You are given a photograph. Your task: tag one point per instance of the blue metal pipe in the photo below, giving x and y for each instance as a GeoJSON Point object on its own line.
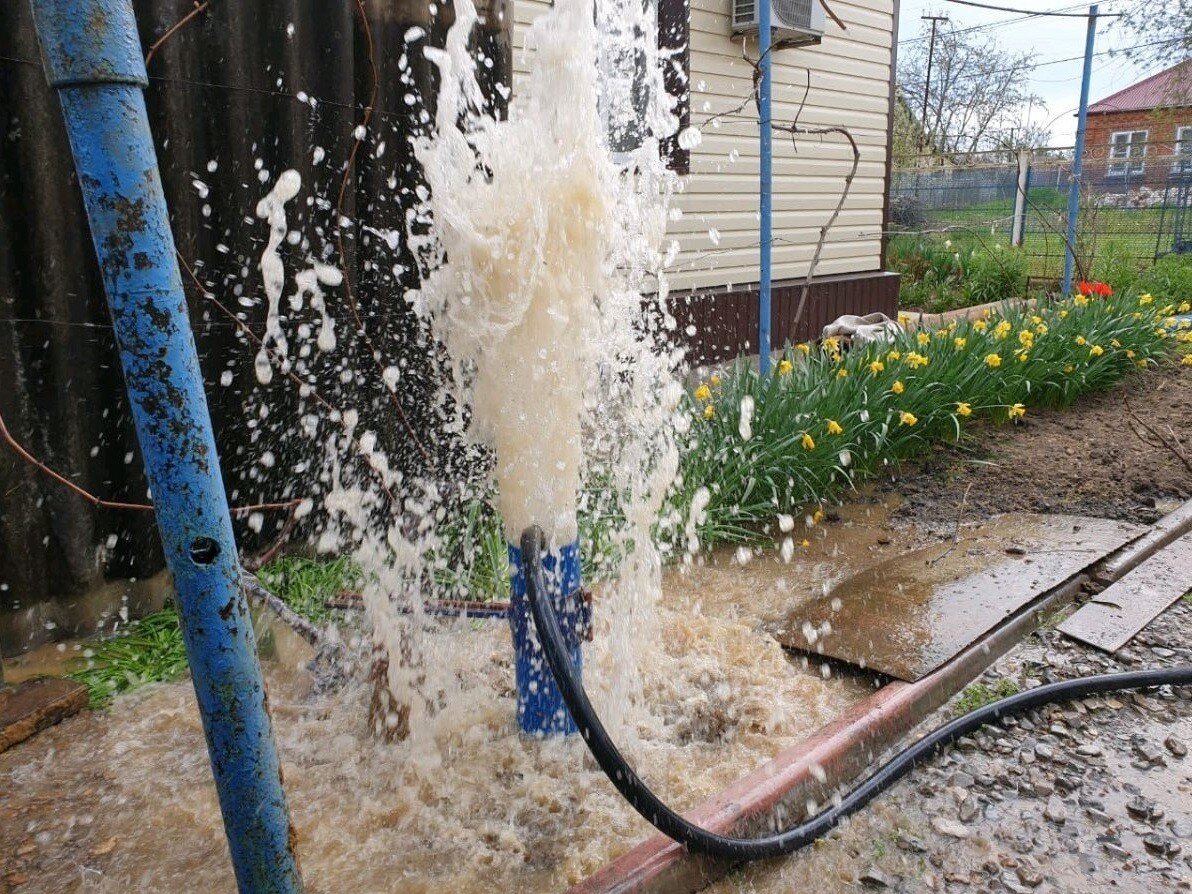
{"type": "Point", "coordinates": [1078, 151]}
{"type": "Point", "coordinates": [766, 186]}
{"type": "Point", "coordinates": [541, 710]}
{"type": "Point", "coordinates": [93, 58]}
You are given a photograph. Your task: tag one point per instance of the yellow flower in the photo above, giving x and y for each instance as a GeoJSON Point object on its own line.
{"type": "Point", "coordinates": [1096, 351]}
{"type": "Point", "coordinates": [1186, 360]}
{"type": "Point", "coordinates": [1036, 319]}
{"type": "Point", "coordinates": [980, 326]}
{"type": "Point", "coordinates": [834, 427]}
{"type": "Point", "coordinates": [1016, 412]}
{"type": "Point", "coordinates": [1079, 300]}
{"type": "Point", "coordinates": [1146, 299]}
{"type": "Point", "coordinates": [904, 319]}
{"type": "Point", "coordinates": [806, 543]}
{"type": "Point", "coordinates": [831, 344]}
{"type": "Point", "coordinates": [1068, 369]}
{"type": "Point", "coordinates": [1129, 355]}
{"type": "Point", "coordinates": [1022, 355]}
{"type": "Point", "coordinates": [907, 418]}
{"type": "Point", "coordinates": [1161, 332]}
{"type": "Point", "coordinates": [817, 517]}
{"type": "Point", "coordinates": [993, 360]}
{"type": "Point", "coordinates": [842, 373]}
{"type": "Point", "coordinates": [1184, 337]}
{"type": "Point", "coordinates": [989, 311]}
{"type": "Point", "coordinates": [709, 411]}
{"type": "Point", "coordinates": [1185, 306]}
{"type": "Point", "coordinates": [894, 355]}
{"type": "Point", "coordinates": [876, 367]}
{"type": "Point", "coordinates": [914, 361]}
{"type": "Point", "coordinates": [963, 409]}
{"type": "Point", "coordinates": [715, 380]}
{"type": "Point", "coordinates": [946, 331]}
{"type": "Point", "coordinates": [1002, 329]}
{"type": "Point", "coordinates": [1080, 341]}
{"type": "Point", "coordinates": [1136, 316]}
{"type": "Point", "coordinates": [1026, 338]}
{"type": "Point", "coordinates": [1063, 314]}
{"type": "Point", "coordinates": [1042, 329]}
{"type": "Point", "coordinates": [785, 367]}
{"type": "Point", "coordinates": [1142, 364]}
{"type": "Point", "coordinates": [703, 392]}
{"type": "Point", "coordinates": [898, 387]}
{"type": "Point", "coordinates": [805, 348]}
{"type": "Point", "coordinates": [923, 338]}
{"type": "Point", "coordinates": [960, 342]}
{"type": "Point", "coordinates": [808, 442]}
{"type": "Point", "coordinates": [1115, 343]}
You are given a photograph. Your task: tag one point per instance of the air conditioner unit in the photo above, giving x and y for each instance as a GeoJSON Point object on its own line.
{"type": "Point", "coordinates": [793, 22]}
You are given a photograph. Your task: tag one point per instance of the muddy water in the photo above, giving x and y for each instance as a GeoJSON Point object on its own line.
{"type": "Point", "coordinates": [123, 801]}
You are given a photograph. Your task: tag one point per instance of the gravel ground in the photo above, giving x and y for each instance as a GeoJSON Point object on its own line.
{"type": "Point", "coordinates": [1088, 796]}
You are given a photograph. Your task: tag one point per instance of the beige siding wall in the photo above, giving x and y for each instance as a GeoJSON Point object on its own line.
{"type": "Point", "coordinates": [850, 78]}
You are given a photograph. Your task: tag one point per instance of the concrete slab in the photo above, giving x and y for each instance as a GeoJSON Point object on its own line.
{"type": "Point", "coordinates": [1116, 615]}
{"type": "Point", "coordinates": [28, 708]}
{"type": "Point", "coordinates": [911, 614]}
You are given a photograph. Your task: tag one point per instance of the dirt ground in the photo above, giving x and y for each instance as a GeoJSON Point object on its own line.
{"type": "Point", "coordinates": [1090, 459]}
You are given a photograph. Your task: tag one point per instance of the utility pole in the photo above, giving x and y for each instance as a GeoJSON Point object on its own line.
{"type": "Point", "coordinates": [1078, 151]}
{"type": "Point", "coordinates": [935, 20]}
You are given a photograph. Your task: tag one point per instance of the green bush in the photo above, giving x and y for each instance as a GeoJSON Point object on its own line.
{"type": "Point", "coordinates": [995, 275]}
{"type": "Point", "coordinates": [1170, 277]}
{"type": "Point", "coordinates": [941, 274]}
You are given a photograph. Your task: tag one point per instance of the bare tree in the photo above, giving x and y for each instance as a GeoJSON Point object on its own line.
{"type": "Point", "coordinates": [1162, 32]}
{"type": "Point", "coordinates": [978, 92]}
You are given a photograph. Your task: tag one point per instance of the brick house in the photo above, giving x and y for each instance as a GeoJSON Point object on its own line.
{"type": "Point", "coordinates": [1142, 136]}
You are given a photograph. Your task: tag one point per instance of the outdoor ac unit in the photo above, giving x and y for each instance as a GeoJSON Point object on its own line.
{"type": "Point", "coordinates": [793, 22]}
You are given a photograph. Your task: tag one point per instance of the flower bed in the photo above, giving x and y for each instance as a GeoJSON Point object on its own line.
{"type": "Point", "coordinates": [824, 419]}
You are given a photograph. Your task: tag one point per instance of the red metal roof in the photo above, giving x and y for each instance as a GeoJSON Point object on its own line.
{"type": "Point", "coordinates": [1170, 87]}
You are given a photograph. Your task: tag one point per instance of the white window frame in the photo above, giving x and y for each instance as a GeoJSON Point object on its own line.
{"type": "Point", "coordinates": [1131, 163]}
{"type": "Point", "coordinates": [1182, 151]}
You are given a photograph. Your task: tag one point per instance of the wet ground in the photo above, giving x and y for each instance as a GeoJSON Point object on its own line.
{"type": "Point", "coordinates": [1082, 797]}
{"type": "Point", "coordinates": [1092, 459]}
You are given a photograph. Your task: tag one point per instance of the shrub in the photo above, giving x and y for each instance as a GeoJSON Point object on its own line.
{"type": "Point", "coordinates": [995, 275]}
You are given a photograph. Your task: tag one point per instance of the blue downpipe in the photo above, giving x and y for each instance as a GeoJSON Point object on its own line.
{"type": "Point", "coordinates": [93, 58]}
{"type": "Point", "coordinates": [1078, 151]}
{"type": "Point", "coordinates": [541, 710]}
{"type": "Point", "coordinates": [766, 197]}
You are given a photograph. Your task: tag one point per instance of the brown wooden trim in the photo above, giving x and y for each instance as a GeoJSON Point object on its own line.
{"type": "Point", "coordinates": [890, 133]}
{"type": "Point", "coordinates": [721, 323]}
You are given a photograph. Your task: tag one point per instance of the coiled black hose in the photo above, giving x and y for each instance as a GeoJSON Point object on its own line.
{"type": "Point", "coordinates": [670, 823]}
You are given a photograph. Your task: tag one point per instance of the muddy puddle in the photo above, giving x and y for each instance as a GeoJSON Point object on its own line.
{"type": "Point", "coordinates": [123, 800]}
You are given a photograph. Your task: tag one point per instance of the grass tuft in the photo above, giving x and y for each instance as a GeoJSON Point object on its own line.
{"type": "Point", "coordinates": [978, 695]}
{"type": "Point", "coordinates": [147, 651]}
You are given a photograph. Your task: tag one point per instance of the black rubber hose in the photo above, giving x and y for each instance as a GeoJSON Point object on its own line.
{"type": "Point", "coordinates": [670, 823]}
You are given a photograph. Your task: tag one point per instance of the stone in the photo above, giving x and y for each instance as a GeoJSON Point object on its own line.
{"type": "Point", "coordinates": [949, 827]}
{"type": "Point", "coordinates": [1161, 845]}
{"type": "Point", "coordinates": [960, 779]}
{"type": "Point", "coordinates": [1044, 752]}
{"type": "Point", "coordinates": [1089, 750]}
{"type": "Point", "coordinates": [874, 878]}
{"type": "Point", "coordinates": [1149, 752]}
{"type": "Point", "coordinates": [1055, 810]}
{"type": "Point", "coordinates": [969, 810]}
{"type": "Point", "coordinates": [1175, 746]}
{"type": "Point", "coordinates": [1115, 850]}
{"type": "Point", "coordinates": [1144, 808]}
{"type": "Point", "coordinates": [29, 707]}
{"type": "Point", "coordinates": [1030, 875]}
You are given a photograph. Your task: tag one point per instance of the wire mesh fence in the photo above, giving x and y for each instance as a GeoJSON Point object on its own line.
{"type": "Point", "coordinates": [1133, 204]}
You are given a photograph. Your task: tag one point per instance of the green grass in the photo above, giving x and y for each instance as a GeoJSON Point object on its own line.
{"type": "Point", "coordinates": [887, 406]}
{"type": "Point", "coordinates": [305, 585]}
{"type": "Point", "coordinates": [978, 695]}
{"type": "Point", "coordinates": [148, 651]}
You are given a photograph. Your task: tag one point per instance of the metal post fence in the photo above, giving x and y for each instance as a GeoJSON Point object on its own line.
{"type": "Point", "coordinates": [93, 58]}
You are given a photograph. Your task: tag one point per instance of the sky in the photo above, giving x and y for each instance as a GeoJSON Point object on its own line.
{"type": "Point", "coordinates": [1048, 39]}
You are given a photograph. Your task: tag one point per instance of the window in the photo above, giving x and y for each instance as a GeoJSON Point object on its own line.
{"type": "Point", "coordinates": [1130, 147]}
{"type": "Point", "coordinates": [626, 81]}
{"type": "Point", "coordinates": [1182, 162]}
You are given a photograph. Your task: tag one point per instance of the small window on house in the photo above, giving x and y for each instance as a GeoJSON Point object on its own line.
{"type": "Point", "coordinates": [1127, 149]}
{"type": "Point", "coordinates": [1182, 161]}
{"type": "Point", "coordinates": [625, 77]}
{"type": "Point", "coordinates": [625, 80]}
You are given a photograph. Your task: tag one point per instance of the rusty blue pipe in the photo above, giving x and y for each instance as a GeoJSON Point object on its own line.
{"type": "Point", "coordinates": [92, 57]}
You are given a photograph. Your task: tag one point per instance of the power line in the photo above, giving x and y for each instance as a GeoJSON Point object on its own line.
{"type": "Point", "coordinates": [1057, 13]}
{"type": "Point", "coordinates": [997, 24]}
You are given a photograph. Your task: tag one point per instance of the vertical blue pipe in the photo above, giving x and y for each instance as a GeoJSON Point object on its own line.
{"type": "Point", "coordinates": [92, 57]}
{"type": "Point", "coordinates": [541, 710]}
{"type": "Point", "coordinates": [766, 153]}
{"type": "Point", "coordinates": [1078, 151]}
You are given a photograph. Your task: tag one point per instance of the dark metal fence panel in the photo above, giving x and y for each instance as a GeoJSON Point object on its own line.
{"type": "Point", "coordinates": [1132, 208]}
{"type": "Point", "coordinates": [239, 94]}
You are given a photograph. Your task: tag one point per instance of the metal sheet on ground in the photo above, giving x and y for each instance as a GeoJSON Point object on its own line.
{"type": "Point", "coordinates": [911, 614]}
{"type": "Point", "coordinates": [1115, 615]}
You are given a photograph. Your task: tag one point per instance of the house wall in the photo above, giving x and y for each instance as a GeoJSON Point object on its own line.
{"type": "Point", "coordinates": [850, 85]}
{"type": "Point", "coordinates": [1162, 125]}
